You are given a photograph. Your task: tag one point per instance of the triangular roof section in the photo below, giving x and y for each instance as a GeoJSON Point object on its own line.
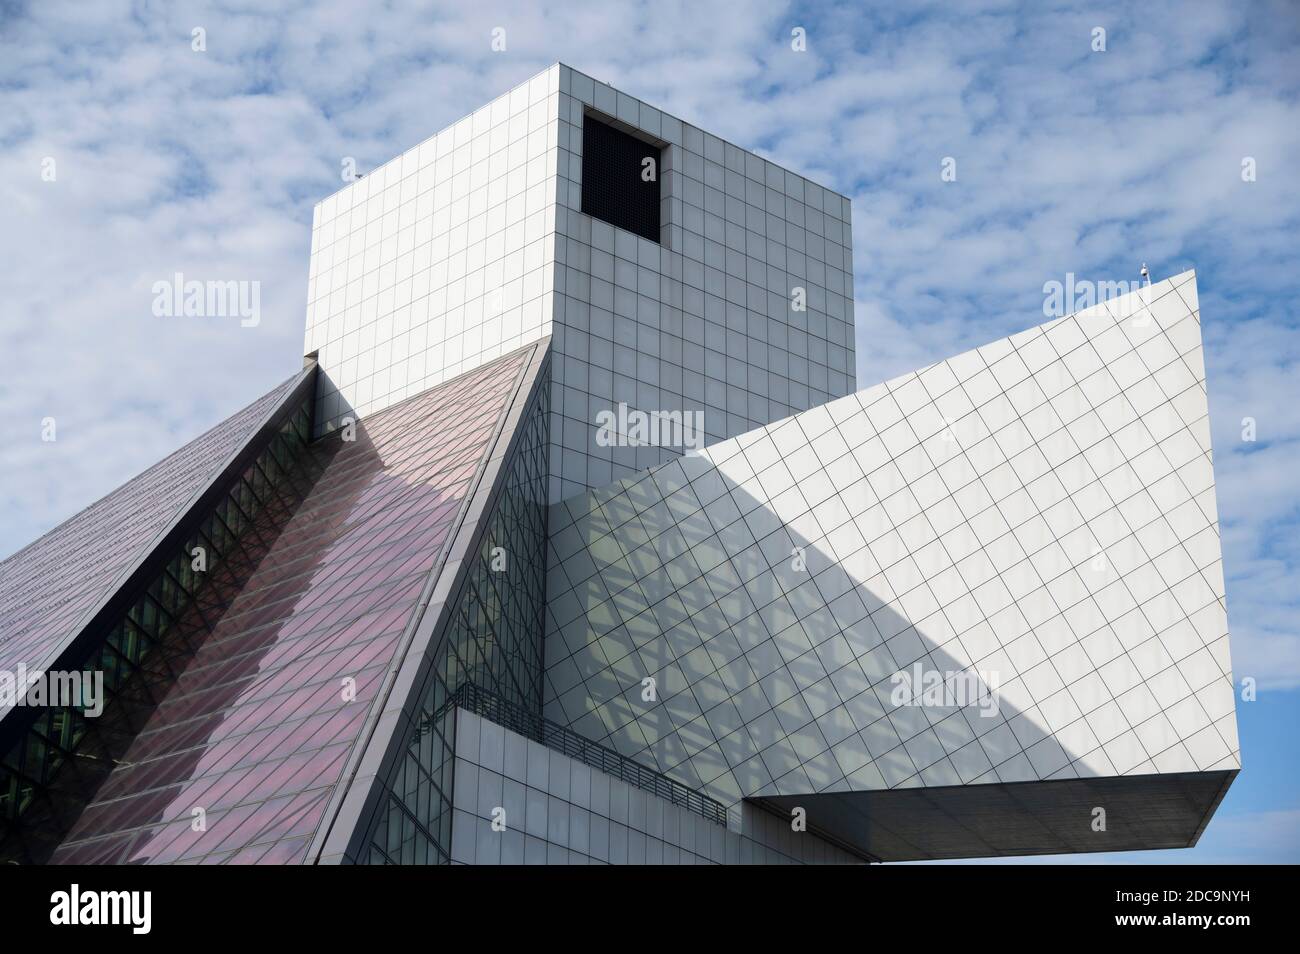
{"type": "Point", "coordinates": [270, 711]}
{"type": "Point", "coordinates": [483, 629]}
{"type": "Point", "coordinates": [50, 588]}
{"type": "Point", "coordinates": [1039, 511]}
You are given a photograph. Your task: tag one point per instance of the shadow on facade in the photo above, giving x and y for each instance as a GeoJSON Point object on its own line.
{"type": "Point", "coordinates": [774, 684]}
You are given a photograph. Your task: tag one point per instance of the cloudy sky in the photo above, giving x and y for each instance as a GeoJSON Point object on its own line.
{"type": "Point", "coordinates": [166, 159]}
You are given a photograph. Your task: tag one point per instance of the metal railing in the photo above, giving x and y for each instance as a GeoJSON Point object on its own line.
{"type": "Point", "coordinates": [530, 725]}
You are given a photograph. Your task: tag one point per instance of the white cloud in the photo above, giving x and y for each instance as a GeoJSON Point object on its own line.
{"type": "Point", "coordinates": [208, 163]}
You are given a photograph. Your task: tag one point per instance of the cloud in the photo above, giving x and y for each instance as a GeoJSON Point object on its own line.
{"type": "Point", "coordinates": [208, 163]}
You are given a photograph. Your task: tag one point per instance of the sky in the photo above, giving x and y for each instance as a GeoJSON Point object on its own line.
{"type": "Point", "coordinates": [127, 156]}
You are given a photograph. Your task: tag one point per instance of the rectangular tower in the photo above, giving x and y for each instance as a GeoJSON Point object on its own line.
{"type": "Point", "coordinates": [708, 281]}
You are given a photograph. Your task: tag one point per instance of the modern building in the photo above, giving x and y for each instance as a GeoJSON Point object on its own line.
{"type": "Point", "coordinates": [574, 541]}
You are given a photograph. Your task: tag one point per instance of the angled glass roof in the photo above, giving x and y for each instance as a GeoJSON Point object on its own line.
{"type": "Point", "coordinates": [242, 754]}
{"type": "Point", "coordinates": [48, 588]}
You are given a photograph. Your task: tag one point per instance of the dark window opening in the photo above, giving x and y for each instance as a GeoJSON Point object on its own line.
{"type": "Point", "coordinates": [618, 185]}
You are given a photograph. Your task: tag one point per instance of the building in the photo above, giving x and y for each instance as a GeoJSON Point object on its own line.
{"type": "Point", "coordinates": [574, 541]}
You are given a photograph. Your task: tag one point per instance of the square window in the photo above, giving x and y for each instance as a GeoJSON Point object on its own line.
{"type": "Point", "coordinates": [620, 178]}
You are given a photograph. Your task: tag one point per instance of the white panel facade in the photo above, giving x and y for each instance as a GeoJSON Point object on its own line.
{"type": "Point", "coordinates": [473, 243]}
{"type": "Point", "coordinates": [555, 810]}
{"type": "Point", "coordinates": [701, 321]}
{"type": "Point", "coordinates": [1039, 511]}
{"type": "Point", "coordinates": [438, 261]}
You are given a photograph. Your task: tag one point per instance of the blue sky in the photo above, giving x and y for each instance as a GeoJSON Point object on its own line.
{"type": "Point", "coordinates": [1068, 160]}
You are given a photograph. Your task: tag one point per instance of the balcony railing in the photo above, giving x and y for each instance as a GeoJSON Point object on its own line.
{"type": "Point", "coordinates": [567, 742]}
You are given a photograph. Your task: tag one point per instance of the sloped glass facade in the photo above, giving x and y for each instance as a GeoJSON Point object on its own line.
{"type": "Point", "coordinates": [50, 771]}
{"type": "Point", "coordinates": [250, 734]}
{"type": "Point", "coordinates": [48, 587]}
{"type": "Point", "coordinates": [493, 640]}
